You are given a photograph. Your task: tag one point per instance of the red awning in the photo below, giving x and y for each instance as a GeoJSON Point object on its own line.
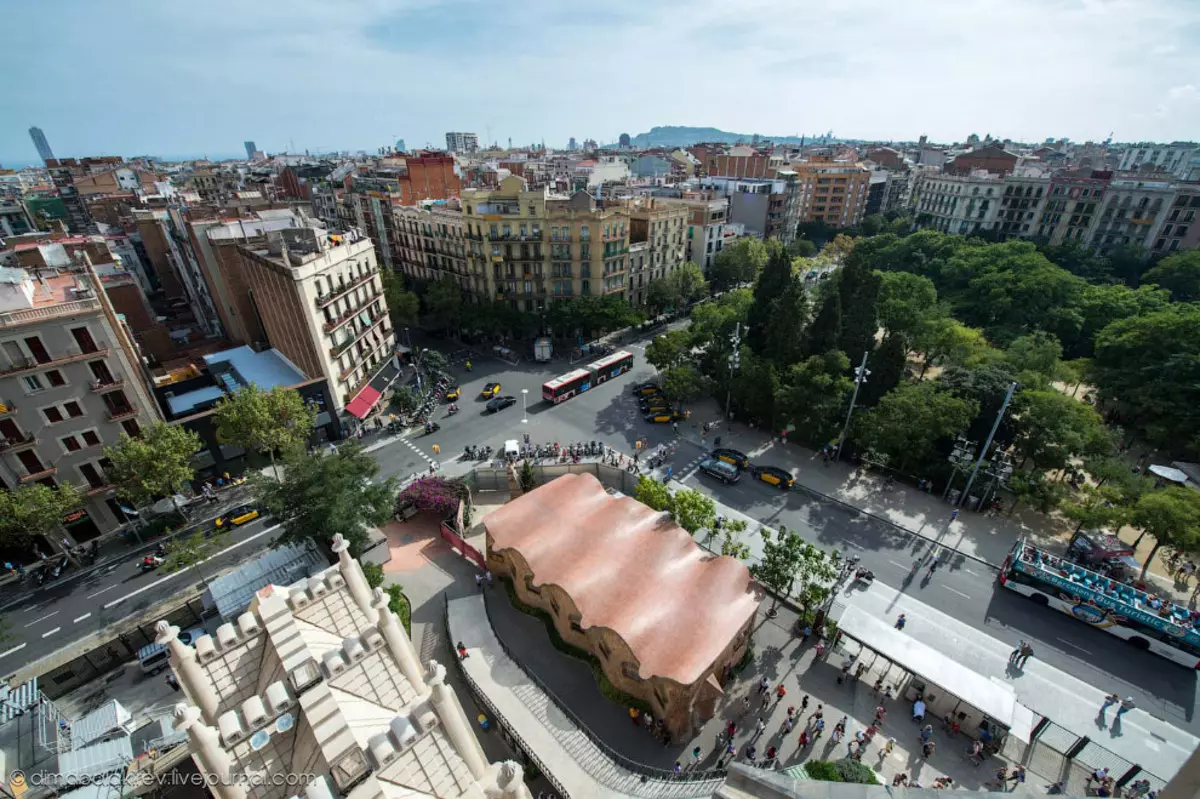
{"type": "Point", "coordinates": [361, 405]}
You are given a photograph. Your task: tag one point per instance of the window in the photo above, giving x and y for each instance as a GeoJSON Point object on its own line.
{"type": "Point", "coordinates": [90, 438]}
{"type": "Point", "coordinates": [32, 384]}
{"type": "Point", "coordinates": [70, 444]}
{"type": "Point", "coordinates": [73, 409]}
{"type": "Point", "coordinates": [630, 671]}
{"type": "Point", "coordinates": [53, 415]}
{"type": "Point", "coordinates": [554, 606]}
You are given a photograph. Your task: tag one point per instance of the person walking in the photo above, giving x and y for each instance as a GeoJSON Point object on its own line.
{"type": "Point", "coordinates": [1127, 704]}
{"type": "Point", "coordinates": [900, 622]}
{"type": "Point", "coordinates": [1016, 653]}
{"type": "Point", "coordinates": [1026, 653]}
{"type": "Point", "coordinates": [1109, 701]}
{"type": "Point", "coordinates": [928, 749]}
{"type": "Point", "coordinates": [696, 756]}
{"type": "Point", "coordinates": [633, 715]}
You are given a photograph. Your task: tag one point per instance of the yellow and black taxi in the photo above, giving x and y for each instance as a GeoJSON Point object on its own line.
{"type": "Point", "coordinates": [453, 393]}
{"type": "Point", "coordinates": [666, 416]}
{"type": "Point", "coordinates": [490, 390]}
{"type": "Point", "coordinates": [646, 389]}
{"type": "Point", "coordinates": [732, 457]}
{"type": "Point", "coordinates": [238, 516]}
{"type": "Point", "coordinates": [652, 402]}
{"type": "Point", "coordinates": [725, 472]}
{"type": "Point", "coordinates": [773, 475]}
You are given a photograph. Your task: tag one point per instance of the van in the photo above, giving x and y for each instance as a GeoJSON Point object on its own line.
{"type": "Point", "coordinates": [154, 657]}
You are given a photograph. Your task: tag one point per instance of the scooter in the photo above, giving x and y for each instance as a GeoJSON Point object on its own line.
{"type": "Point", "coordinates": [453, 409]}
{"type": "Point", "coordinates": [469, 452]}
{"type": "Point", "coordinates": [150, 563]}
{"type": "Point", "coordinates": [431, 428]}
{"type": "Point", "coordinates": [864, 576]}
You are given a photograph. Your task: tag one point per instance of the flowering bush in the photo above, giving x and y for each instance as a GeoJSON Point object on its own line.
{"type": "Point", "coordinates": [437, 494]}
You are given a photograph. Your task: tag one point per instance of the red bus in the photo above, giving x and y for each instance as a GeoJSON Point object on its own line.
{"type": "Point", "coordinates": [566, 386]}
{"type": "Point", "coordinates": [610, 366]}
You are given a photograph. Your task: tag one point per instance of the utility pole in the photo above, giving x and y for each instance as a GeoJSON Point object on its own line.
{"type": "Point", "coordinates": [735, 361]}
{"type": "Point", "coordinates": [983, 452]}
{"type": "Point", "coordinates": [860, 377]}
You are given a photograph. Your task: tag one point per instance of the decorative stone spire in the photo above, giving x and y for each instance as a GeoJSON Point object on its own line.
{"type": "Point", "coordinates": [512, 781]}
{"type": "Point", "coordinates": [455, 721]}
{"type": "Point", "coordinates": [206, 746]}
{"type": "Point", "coordinates": [187, 668]}
{"type": "Point", "coordinates": [352, 573]}
{"type": "Point", "coordinates": [399, 644]}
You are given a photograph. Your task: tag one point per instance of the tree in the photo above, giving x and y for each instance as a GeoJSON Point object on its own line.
{"type": "Point", "coordinates": [662, 294]}
{"type": "Point", "coordinates": [433, 361]}
{"type": "Point", "coordinates": [403, 399]}
{"type": "Point", "coordinates": [985, 385]}
{"type": "Point", "coordinates": [1127, 263]}
{"type": "Point", "coordinates": [265, 421]}
{"type": "Point", "coordinates": [1178, 274]}
{"type": "Point", "coordinates": [1151, 365]}
{"type": "Point", "coordinates": [732, 545]}
{"type": "Point", "coordinates": [814, 394]}
{"type": "Point", "coordinates": [443, 300]}
{"type": "Point", "coordinates": [739, 263]}
{"type": "Point", "coordinates": [788, 560]}
{"type": "Point", "coordinates": [669, 349]}
{"type": "Point", "coordinates": [907, 305]}
{"type": "Point", "coordinates": [527, 477]}
{"type": "Point", "coordinates": [951, 342]}
{"type": "Point", "coordinates": [825, 331]}
{"type": "Point", "coordinates": [192, 550]}
{"type": "Point", "coordinates": [155, 463]}
{"type": "Point", "coordinates": [802, 248]}
{"type": "Point", "coordinates": [681, 383]}
{"type": "Point", "coordinates": [909, 420]}
{"type": "Point", "coordinates": [1172, 516]}
{"type": "Point", "coordinates": [653, 494]}
{"type": "Point", "coordinates": [694, 511]}
{"type": "Point", "coordinates": [1051, 427]}
{"type": "Point", "coordinates": [689, 282]}
{"type": "Point", "coordinates": [323, 495]}
{"type": "Point", "coordinates": [1100, 306]}
{"type": "Point", "coordinates": [1095, 508]}
{"type": "Point", "coordinates": [771, 284]}
{"type": "Point", "coordinates": [404, 307]}
{"type": "Point", "coordinates": [755, 388]}
{"type": "Point", "coordinates": [1036, 358]}
{"type": "Point", "coordinates": [36, 509]}
{"type": "Point", "coordinates": [784, 329]}
{"type": "Point", "coordinates": [859, 290]}
{"type": "Point", "coordinates": [887, 365]}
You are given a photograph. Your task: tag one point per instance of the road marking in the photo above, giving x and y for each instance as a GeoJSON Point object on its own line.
{"type": "Point", "coordinates": [1073, 646]}
{"type": "Point", "coordinates": [43, 618]}
{"type": "Point", "coordinates": [159, 581]}
{"type": "Point", "coordinates": [81, 618]}
{"type": "Point", "coordinates": [897, 565]}
{"type": "Point", "coordinates": [970, 571]}
{"type": "Point", "coordinates": [16, 648]}
{"type": "Point", "coordinates": [955, 590]}
{"type": "Point", "coordinates": [101, 591]}
{"type": "Point", "coordinates": [52, 632]}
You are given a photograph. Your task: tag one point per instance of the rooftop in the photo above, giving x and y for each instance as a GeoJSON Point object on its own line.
{"type": "Point", "coordinates": [630, 569]}
{"type": "Point", "coordinates": [28, 298]}
{"type": "Point", "coordinates": [234, 369]}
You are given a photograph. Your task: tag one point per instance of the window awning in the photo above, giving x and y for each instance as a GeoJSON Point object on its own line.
{"type": "Point", "coordinates": [362, 404]}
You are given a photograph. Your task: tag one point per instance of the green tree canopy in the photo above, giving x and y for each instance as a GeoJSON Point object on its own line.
{"type": "Point", "coordinates": [265, 421]}
{"type": "Point", "coordinates": [694, 511]}
{"type": "Point", "coordinates": [155, 463]}
{"type": "Point", "coordinates": [1036, 358]}
{"type": "Point", "coordinates": [908, 304]}
{"type": "Point", "coordinates": [1052, 427]}
{"type": "Point", "coordinates": [772, 282]}
{"type": "Point", "coordinates": [681, 383]}
{"type": "Point", "coordinates": [31, 510]}
{"type": "Point", "coordinates": [859, 289]}
{"type": "Point", "coordinates": [986, 386]}
{"type": "Point", "coordinates": [910, 420]}
{"type": "Point", "coordinates": [653, 494]}
{"type": "Point", "coordinates": [815, 393]}
{"type": "Point", "coordinates": [784, 330]}
{"type": "Point", "coordinates": [326, 494]}
{"type": "Point", "coordinates": [801, 248]}
{"type": "Point", "coordinates": [690, 282]}
{"type": "Point", "coordinates": [825, 331]}
{"type": "Point", "coordinates": [738, 263]}
{"type": "Point", "coordinates": [669, 349]}
{"type": "Point", "coordinates": [1178, 274]}
{"type": "Point", "coordinates": [443, 300]}
{"type": "Point", "coordinates": [755, 387]}
{"type": "Point", "coordinates": [887, 365]}
{"type": "Point", "coordinates": [951, 343]}
{"type": "Point", "coordinates": [1172, 516]}
{"type": "Point", "coordinates": [1102, 305]}
{"type": "Point", "coordinates": [404, 307]}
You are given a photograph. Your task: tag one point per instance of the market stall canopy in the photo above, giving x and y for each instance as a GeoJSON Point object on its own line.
{"type": "Point", "coordinates": [1169, 473]}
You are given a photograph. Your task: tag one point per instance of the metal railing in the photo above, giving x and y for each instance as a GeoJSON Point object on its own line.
{"type": "Point", "coordinates": [715, 776]}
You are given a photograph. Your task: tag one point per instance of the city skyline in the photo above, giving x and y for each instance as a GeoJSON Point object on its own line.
{"type": "Point", "coordinates": [200, 82]}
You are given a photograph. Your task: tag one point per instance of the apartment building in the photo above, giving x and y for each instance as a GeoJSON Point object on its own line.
{"type": "Point", "coordinates": [638, 278]}
{"type": "Point", "coordinates": [705, 231]}
{"type": "Point", "coordinates": [462, 142]}
{"type": "Point", "coordinates": [1021, 205]}
{"type": "Point", "coordinates": [961, 205]}
{"type": "Point", "coordinates": [1179, 230]}
{"type": "Point", "coordinates": [70, 385]}
{"type": "Point", "coordinates": [767, 208]}
{"type": "Point", "coordinates": [1072, 200]}
{"type": "Point", "coordinates": [1178, 158]}
{"type": "Point", "coordinates": [62, 173]}
{"type": "Point", "coordinates": [433, 244]}
{"type": "Point", "coordinates": [14, 218]}
{"type": "Point", "coordinates": [832, 192]}
{"type": "Point", "coordinates": [164, 235]}
{"type": "Point", "coordinates": [662, 224]}
{"type": "Point", "coordinates": [740, 161]}
{"type": "Point", "coordinates": [1132, 213]}
{"type": "Point", "coordinates": [320, 299]}
{"type": "Point", "coordinates": [527, 247]}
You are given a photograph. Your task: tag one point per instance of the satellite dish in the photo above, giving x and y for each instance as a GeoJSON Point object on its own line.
{"type": "Point", "coordinates": [259, 739]}
{"type": "Point", "coordinates": [285, 722]}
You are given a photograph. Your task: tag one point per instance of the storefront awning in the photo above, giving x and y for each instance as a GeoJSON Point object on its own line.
{"type": "Point", "coordinates": [362, 404]}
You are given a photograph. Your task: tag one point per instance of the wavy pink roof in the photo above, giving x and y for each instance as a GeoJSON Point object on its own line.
{"type": "Point", "coordinates": [630, 569]}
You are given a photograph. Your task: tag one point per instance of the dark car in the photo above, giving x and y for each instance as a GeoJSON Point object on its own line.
{"type": "Point", "coordinates": [731, 456]}
{"type": "Point", "coordinates": [642, 389]}
{"type": "Point", "coordinates": [665, 416]}
{"type": "Point", "coordinates": [773, 475]}
{"type": "Point", "coordinates": [500, 403]}
{"type": "Point", "coordinates": [725, 472]}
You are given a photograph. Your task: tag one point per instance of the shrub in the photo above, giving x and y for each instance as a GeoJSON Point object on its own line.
{"type": "Point", "coordinates": [374, 574]}
{"type": "Point", "coordinates": [398, 603]}
{"type": "Point", "coordinates": [853, 771]}
{"type": "Point", "coordinates": [823, 770]}
{"type": "Point", "coordinates": [747, 659]}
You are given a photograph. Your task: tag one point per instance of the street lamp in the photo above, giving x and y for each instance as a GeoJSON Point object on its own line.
{"type": "Point", "coordinates": [860, 376]}
{"type": "Point", "coordinates": [999, 470]}
{"type": "Point", "coordinates": [987, 444]}
{"type": "Point", "coordinates": [735, 360]}
{"type": "Point", "coordinates": [960, 457]}
{"type": "Point", "coordinates": [524, 409]}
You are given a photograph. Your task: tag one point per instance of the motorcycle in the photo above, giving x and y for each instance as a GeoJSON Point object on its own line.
{"type": "Point", "coordinates": [150, 563]}
{"type": "Point", "coordinates": [431, 428]}
{"type": "Point", "coordinates": [58, 568]}
{"type": "Point", "coordinates": [468, 452]}
{"type": "Point", "coordinates": [864, 576]}
{"type": "Point", "coordinates": [453, 409]}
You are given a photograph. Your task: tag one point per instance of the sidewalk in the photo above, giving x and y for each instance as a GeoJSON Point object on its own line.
{"type": "Point", "coordinates": [985, 538]}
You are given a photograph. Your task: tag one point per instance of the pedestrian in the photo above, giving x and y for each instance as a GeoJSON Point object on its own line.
{"type": "Point", "coordinates": [804, 704]}
{"type": "Point", "coordinates": [436, 449]}
{"type": "Point", "coordinates": [633, 715]}
{"type": "Point", "coordinates": [772, 752]}
{"type": "Point", "coordinates": [479, 582]}
{"type": "Point", "coordinates": [749, 752]}
{"type": "Point", "coordinates": [759, 726]}
{"type": "Point", "coordinates": [975, 753]}
{"type": "Point", "coordinates": [730, 729]}
{"type": "Point", "coordinates": [462, 651]}
{"type": "Point", "coordinates": [877, 688]}
{"type": "Point", "coordinates": [766, 702]}
{"type": "Point", "coordinates": [926, 733]}
{"type": "Point", "coordinates": [1026, 653]}
{"type": "Point", "coordinates": [918, 712]}
{"type": "Point", "coordinates": [487, 578]}
{"type": "Point", "coordinates": [899, 779]}
{"type": "Point", "coordinates": [1016, 653]}
{"type": "Point", "coordinates": [900, 622]}
{"type": "Point", "coordinates": [1127, 704]}
{"type": "Point", "coordinates": [887, 694]}
{"type": "Point", "coordinates": [1099, 775]}
{"type": "Point", "coordinates": [763, 685]}
{"type": "Point", "coordinates": [803, 740]}
{"type": "Point", "coordinates": [787, 725]}
{"type": "Point", "coordinates": [880, 713]}
{"type": "Point", "coordinates": [928, 749]}
{"type": "Point", "coordinates": [695, 756]}
{"type": "Point", "coordinates": [889, 746]}
{"type": "Point", "coordinates": [675, 428]}
{"type": "Point", "coordinates": [805, 633]}
{"type": "Point", "coordinates": [1109, 700]}
{"type": "Point", "coordinates": [677, 768]}
{"type": "Point", "coordinates": [746, 703]}
{"type": "Point", "coordinates": [172, 681]}
{"type": "Point", "coordinates": [1017, 777]}
{"type": "Point", "coordinates": [780, 692]}
{"type": "Point", "coordinates": [648, 720]}
{"type": "Point", "coordinates": [858, 672]}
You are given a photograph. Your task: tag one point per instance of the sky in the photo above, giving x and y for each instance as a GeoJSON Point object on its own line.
{"type": "Point", "coordinates": [133, 77]}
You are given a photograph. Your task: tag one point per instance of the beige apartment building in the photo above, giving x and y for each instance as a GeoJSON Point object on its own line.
{"type": "Point", "coordinates": [662, 225]}
{"type": "Point", "coordinates": [70, 385]}
{"type": "Point", "coordinates": [528, 248]}
{"type": "Point", "coordinates": [432, 244]}
{"type": "Point", "coordinates": [320, 299]}
{"type": "Point", "coordinates": [833, 192]}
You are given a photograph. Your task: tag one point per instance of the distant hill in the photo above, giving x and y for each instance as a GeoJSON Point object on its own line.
{"type": "Point", "coordinates": [682, 136]}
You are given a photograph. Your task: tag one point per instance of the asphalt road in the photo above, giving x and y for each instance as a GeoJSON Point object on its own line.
{"type": "Point", "coordinates": [963, 588]}
{"type": "Point", "coordinates": [79, 604]}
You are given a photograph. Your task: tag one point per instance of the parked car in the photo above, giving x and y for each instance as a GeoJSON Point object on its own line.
{"type": "Point", "coordinates": [653, 403]}
{"type": "Point", "coordinates": [665, 416]}
{"type": "Point", "coordinates": [732, 457]}
{"type": "Point", "coordinates": [773, 475]}
{"type": "Point", "coordinates": [725, 472]}
{"type": "Point", "coordinates": [643, 389]}
{"type": "Point", "coordinates": [490, 390]}
{"type": "Point", "coordinates": [500, 403]}
{"type": "Point", "coordinates": [238, 516]}
{"type": "Point", "coordinates": [453, 394]}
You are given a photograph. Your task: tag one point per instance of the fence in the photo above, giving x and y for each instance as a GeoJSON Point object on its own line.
{"type": "Point", "coordinates": [612, 477]}
{"type": "Point", "coordinates": [641, 780]}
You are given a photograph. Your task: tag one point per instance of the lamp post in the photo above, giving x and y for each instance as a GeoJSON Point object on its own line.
{"type": "Point", "coordinates": [961, 457]}
{"type": "Point", "coordinates": [860, 376]}
{"type": "Point", "coordinates": [999, 469]}
{"type": "Point", "coordinates": [524, 408]}
{"type": "Point", "coordinates": [987, 444]}
{"type": "Point", "coordinates": [735, 361]}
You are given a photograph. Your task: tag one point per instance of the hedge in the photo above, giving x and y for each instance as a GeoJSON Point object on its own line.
{"type": "Point", "coordinates": [840, 771]}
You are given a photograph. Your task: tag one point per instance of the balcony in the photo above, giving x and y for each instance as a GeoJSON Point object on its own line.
{"type": "Point", "coordinates": [25, 441]}
{"type": "Point", "coordinates": [6, 408]}
{"type": "Point", "coordinates": [34, 315]}
{"type": "Point", "coordinates": [100, 489]}
{"type": "Point", "coordinates": [108, 384]}
{"type": "Point", "coordinates": [367, 359]}
{"type": "Point", "coordinates": [121, 414]}
{"type": "Point", "coordinates": [339, 349]}
{"type": "Point", "coordinates": [338, 321]}
{"type": "Point", "coordinates": [325, 299]}
{"type": "Point", "coordinates": [70, 355]}
{"type": "Point", "coordinates": [43, 474]}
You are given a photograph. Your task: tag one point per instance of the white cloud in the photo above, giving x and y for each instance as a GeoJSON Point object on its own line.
{"type": "Point", "coordinates": [140, 76]}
